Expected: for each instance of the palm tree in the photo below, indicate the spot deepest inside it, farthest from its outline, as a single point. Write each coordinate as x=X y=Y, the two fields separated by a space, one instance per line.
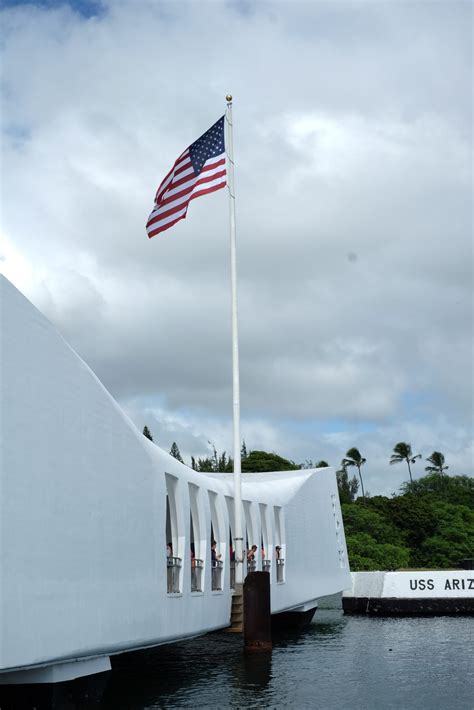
x=403 y=452
x=354 y=458
x=437 y=461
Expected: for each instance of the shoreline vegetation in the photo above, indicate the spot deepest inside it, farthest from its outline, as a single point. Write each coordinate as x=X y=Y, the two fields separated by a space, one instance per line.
x=429 y=524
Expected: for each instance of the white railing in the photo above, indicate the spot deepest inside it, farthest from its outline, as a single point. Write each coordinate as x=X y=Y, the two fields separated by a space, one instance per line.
x=266 y=566
x=196 y=575
x=280 y=570
x=216 y=575
x=251 y=565
x=173 y=565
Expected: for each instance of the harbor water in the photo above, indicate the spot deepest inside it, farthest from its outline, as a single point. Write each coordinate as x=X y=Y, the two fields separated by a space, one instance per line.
x=339 y=661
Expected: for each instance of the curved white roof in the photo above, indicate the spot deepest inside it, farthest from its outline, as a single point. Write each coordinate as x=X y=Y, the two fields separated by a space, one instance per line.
x=83 y=505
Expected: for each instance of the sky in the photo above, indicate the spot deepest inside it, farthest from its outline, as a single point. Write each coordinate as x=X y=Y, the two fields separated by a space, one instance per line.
x=353 y=170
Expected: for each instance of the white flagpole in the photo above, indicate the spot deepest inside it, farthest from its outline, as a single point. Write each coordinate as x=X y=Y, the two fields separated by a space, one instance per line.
x=238 y=534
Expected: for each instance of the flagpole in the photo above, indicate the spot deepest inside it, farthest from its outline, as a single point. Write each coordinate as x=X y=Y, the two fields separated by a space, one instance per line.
x=238 y=533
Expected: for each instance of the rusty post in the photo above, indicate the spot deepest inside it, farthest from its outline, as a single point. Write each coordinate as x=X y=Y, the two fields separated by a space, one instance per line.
x=257 y=615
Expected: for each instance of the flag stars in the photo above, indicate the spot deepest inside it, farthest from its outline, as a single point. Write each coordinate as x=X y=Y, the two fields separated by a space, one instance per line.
x=209 y=145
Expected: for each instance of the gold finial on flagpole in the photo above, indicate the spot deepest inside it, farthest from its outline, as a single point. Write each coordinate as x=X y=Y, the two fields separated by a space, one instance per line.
x=228 y=98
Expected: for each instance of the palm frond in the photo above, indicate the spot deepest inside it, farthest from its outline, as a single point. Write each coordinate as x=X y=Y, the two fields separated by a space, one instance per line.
x=356 y=456
x=403 y=449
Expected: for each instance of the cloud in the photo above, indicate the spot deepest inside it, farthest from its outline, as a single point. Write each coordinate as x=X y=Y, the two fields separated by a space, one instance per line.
x=354 y=214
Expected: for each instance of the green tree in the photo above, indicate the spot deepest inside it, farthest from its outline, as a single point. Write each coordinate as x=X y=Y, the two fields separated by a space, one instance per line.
x=243 y=451
x=402 y=452
x=309 y=464
x=360 y=518
x=373 y=541
x=215 y=463
x=147 y=433
x=346 y=487
x=225 y=464
x=354 y=458
x=458 y=490
x=433 y=519
x=259 y=461
x=174 y=451
x=411 y=515
x=453 y=539
x=437 y=463
x=365 y=554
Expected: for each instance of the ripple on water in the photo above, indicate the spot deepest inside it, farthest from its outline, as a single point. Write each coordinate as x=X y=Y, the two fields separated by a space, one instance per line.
x=338 y=662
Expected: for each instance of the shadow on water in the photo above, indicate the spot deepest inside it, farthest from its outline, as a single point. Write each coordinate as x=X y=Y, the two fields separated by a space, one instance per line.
x=80 y=694
x=189 y=669
x=153 y=678
x=186 y=674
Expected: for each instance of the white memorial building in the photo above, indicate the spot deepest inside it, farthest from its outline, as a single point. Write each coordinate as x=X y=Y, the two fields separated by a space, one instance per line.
x=88 y=506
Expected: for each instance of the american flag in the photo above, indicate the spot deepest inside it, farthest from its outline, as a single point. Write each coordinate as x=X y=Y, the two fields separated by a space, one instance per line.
x=197 y=171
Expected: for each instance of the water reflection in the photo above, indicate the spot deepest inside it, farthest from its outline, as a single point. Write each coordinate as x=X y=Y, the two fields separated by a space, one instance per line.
x=200 y=667
x=319 y=630
x=153 y=678
x=422 y=663
x=251 y=672
x=214 y=665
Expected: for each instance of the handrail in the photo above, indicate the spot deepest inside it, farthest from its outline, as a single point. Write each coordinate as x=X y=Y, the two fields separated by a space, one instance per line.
x=196 y=568
x=173 y=565
x=280 y=569
x=216 y=575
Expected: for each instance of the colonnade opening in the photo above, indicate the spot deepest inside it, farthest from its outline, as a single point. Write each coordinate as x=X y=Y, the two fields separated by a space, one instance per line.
x=217 y=563
x=232 y=560
x=173 y=538
x=196 y=562
x=197 y=542
x=279 y=544
x=252 y=552
x=267 y=547
x=230 y=512
x=217 y=544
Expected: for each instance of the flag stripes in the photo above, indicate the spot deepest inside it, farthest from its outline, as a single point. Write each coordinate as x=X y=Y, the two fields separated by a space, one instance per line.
x=199 y=170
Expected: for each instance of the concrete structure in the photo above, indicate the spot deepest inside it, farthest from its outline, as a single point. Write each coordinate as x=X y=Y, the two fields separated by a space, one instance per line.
x=410 y=592
x=88 y=505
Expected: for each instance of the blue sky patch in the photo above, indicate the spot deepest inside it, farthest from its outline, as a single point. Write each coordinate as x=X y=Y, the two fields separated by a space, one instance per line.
x=86 y=8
